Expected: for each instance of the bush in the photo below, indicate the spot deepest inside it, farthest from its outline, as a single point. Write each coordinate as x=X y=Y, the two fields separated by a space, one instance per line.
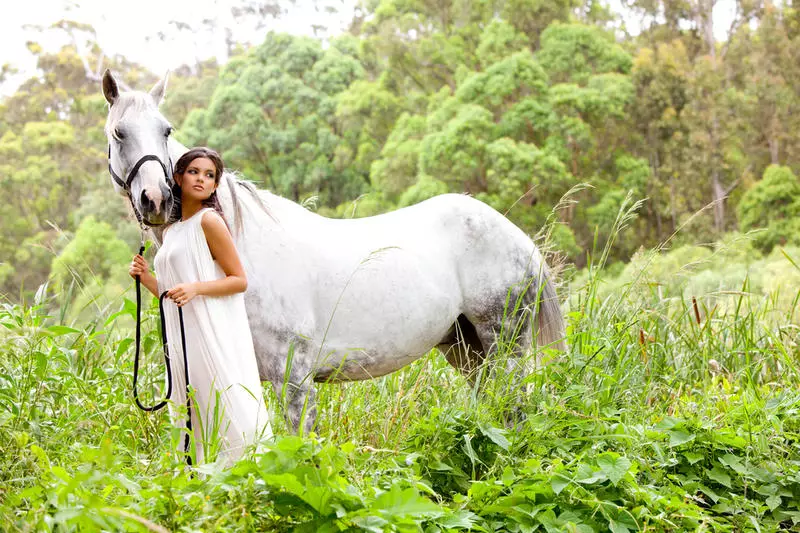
x=773 y=205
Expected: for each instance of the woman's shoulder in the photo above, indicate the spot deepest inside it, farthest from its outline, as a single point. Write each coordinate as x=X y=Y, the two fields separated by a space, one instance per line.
x=210 y=218
x=213 y=225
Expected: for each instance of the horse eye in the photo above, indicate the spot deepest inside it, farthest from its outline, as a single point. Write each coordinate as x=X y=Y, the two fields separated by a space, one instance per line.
x=168 y=132
x=118 y=134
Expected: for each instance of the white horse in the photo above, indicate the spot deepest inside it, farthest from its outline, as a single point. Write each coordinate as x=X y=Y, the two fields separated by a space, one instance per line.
x=350 y=299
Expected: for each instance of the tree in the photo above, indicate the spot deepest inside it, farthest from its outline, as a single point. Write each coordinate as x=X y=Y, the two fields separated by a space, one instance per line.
x=274 y=116
x=773 y=205
x=52 y=152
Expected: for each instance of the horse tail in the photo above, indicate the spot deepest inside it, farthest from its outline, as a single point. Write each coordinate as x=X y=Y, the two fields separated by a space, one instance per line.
x=550 y=330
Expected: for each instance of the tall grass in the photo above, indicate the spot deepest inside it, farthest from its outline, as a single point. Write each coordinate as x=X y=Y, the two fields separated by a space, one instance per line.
x=669 y=412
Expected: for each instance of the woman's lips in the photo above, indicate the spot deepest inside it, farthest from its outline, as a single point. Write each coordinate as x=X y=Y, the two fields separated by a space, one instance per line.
x=197 y=188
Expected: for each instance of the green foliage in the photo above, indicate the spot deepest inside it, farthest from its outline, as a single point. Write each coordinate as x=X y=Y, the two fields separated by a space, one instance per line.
x=498 y=40
x=422 y=190
x=274 y=116
x=774 y=205
x=94 y=252
x=576 y=52
x=397 y=167
x=52 y=151
x=662 y=416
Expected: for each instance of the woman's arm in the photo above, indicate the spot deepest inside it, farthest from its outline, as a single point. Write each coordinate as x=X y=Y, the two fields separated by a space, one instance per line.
x=140 y=268
x=224 y=251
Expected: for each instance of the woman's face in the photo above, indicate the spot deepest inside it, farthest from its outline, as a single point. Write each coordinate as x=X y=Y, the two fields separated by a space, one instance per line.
x=198 y=181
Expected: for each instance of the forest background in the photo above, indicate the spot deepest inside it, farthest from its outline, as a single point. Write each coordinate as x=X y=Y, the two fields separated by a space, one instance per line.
x=550 y=111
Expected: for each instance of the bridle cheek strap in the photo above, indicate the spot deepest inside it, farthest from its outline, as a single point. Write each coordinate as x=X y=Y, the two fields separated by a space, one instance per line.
x=126 y=184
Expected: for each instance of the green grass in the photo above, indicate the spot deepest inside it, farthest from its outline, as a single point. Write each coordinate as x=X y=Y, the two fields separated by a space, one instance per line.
x=668 y=413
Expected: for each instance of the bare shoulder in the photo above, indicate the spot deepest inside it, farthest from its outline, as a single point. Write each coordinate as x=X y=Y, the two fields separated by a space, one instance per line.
x=211 y=220
x=213 y=223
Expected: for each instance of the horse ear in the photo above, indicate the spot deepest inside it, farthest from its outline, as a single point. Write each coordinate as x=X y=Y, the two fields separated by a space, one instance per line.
x=159 y=89
x=110 y=89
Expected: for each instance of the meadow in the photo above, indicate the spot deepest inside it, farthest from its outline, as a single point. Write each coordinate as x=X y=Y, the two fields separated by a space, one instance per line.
x=675 y=409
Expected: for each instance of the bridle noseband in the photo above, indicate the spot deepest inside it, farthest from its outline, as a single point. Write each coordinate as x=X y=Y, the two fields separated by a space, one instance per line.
x=126 y=184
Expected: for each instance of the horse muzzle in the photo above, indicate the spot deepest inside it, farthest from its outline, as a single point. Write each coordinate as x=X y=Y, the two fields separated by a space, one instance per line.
x=155 y=205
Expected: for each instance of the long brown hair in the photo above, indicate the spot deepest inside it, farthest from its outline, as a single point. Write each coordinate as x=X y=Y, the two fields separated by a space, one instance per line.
x=180 y=167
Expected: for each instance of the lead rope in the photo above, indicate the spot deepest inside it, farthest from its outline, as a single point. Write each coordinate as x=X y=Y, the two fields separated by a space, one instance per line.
x=165 y=345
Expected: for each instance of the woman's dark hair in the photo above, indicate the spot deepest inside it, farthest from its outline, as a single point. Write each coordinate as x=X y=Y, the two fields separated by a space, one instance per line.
x=180 y=167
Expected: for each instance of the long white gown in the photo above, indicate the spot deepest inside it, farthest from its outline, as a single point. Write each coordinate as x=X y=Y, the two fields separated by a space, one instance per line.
x=228 y=410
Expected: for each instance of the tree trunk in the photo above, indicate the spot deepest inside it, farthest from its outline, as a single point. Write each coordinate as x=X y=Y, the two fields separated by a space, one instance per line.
x=704 y=17
x=718 y=192
x=774 y=143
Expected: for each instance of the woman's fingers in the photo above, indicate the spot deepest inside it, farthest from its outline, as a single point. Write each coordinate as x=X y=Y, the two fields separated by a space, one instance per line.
x=138 y=266
x=178 y=295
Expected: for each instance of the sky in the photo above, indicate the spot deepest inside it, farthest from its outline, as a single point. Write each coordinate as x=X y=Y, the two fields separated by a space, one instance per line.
x=126 y=31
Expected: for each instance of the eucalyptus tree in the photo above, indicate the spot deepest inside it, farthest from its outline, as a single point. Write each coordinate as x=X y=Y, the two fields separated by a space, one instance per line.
x=274 y=116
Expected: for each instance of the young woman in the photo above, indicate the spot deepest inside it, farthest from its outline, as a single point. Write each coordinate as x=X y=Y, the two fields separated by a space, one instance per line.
x=200 y=268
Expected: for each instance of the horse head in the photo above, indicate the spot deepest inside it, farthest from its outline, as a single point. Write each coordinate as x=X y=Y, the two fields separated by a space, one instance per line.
x=139 y=149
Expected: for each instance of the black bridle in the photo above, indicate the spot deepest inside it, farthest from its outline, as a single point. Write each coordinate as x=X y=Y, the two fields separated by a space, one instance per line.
x=126 y=183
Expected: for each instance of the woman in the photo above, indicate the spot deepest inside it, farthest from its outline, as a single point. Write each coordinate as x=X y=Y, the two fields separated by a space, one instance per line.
x=200 y=268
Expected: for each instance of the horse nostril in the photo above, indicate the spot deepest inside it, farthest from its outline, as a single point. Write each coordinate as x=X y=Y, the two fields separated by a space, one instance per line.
x=146 y=203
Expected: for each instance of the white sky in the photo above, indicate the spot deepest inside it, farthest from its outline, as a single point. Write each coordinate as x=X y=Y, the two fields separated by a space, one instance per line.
x=125 y=31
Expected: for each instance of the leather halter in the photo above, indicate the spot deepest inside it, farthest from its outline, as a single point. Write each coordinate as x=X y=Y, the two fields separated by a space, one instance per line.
x=126 y=184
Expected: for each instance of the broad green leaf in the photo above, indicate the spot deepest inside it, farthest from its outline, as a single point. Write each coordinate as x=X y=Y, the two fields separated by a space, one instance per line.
x=405 y=502
x=733 y=462
x=693 y=457
x=371 y=523
x=678 y=437
x=728 y=438
x=720 y=476
x=497 y=436
x=558 y=482
x=123 y=345
x=708 y=492
x=459 y=519
x=613 y=466
x=773 y=502
x=617 y=527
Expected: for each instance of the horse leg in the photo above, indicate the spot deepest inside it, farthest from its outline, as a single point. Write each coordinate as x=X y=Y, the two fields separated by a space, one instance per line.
x=505 y=330
x=463 y=349
x=514 y=337
x=301 y=402
x=296 y=389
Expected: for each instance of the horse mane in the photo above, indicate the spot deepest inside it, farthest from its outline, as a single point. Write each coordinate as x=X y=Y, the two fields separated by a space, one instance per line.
x=234 y=178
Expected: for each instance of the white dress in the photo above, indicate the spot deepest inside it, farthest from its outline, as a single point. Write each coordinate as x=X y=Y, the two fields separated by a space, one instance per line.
x=228 y=410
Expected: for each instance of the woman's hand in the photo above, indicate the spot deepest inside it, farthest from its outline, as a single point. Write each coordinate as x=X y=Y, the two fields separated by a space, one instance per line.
x=139 y=267
x=183 y=293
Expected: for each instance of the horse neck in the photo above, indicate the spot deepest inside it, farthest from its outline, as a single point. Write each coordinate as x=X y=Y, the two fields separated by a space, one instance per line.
x=176 y=150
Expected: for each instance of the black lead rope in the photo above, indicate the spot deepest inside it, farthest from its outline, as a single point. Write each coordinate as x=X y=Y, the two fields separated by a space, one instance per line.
x=165 y=345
